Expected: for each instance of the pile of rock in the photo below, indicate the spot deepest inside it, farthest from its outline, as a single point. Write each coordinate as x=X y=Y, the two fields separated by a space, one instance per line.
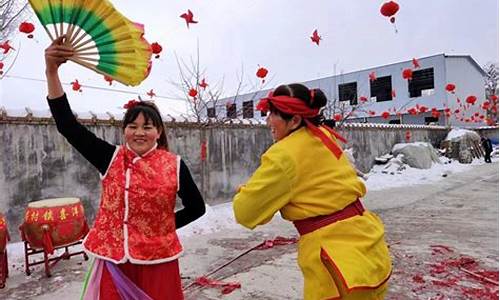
x=462 y=145
x=416 y=155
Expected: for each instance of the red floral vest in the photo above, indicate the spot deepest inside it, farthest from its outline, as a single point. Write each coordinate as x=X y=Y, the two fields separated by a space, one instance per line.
x=136 y=219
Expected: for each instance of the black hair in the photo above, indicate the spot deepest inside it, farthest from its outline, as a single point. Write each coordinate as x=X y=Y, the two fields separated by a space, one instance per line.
x=303 y=93
x=151 y=114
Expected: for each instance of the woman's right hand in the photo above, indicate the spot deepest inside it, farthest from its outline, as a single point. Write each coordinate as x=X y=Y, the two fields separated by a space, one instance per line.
x=56 y=54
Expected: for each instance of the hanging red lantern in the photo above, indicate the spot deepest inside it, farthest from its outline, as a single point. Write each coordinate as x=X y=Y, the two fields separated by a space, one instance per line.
x=385 y=115
x=337 y=117
x=156 y=48
x=407 y=74
x=363 y=99
x=471 y=100
x=192 y=93
x=389 y=9
x=76 y=86
x=262 y=73
x=203 y=151
x=28 y=28
x=436 y=114
x=408 y=135
x=450 y=87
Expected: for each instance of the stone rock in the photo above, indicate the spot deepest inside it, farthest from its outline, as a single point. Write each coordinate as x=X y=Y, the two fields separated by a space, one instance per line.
x=418 y=155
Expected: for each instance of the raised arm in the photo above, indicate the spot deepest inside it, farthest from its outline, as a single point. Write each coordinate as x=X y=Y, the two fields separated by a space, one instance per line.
x=97 y=151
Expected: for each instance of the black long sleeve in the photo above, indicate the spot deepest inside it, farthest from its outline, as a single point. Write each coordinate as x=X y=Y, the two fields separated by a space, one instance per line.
x=100 y=153
x=97 y=151
x=194 y=206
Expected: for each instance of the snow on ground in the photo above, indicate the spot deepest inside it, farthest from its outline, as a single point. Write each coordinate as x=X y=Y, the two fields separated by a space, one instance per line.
x=220 y=217
x=379 y=181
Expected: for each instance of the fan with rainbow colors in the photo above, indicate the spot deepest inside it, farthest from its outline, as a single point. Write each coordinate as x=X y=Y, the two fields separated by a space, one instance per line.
x=103 y=39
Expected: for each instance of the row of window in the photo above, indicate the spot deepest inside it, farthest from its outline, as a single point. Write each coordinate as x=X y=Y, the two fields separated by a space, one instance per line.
x=380 y=90
x=231 y=113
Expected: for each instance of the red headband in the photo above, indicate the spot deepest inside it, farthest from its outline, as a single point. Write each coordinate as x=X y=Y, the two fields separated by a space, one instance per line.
x=294 y=106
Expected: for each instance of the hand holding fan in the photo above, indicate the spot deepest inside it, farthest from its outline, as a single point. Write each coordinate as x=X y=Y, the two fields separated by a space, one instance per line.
x=102 y=38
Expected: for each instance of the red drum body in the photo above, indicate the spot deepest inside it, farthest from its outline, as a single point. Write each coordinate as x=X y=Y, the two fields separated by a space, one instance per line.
x=4 y=234
x=53 y=223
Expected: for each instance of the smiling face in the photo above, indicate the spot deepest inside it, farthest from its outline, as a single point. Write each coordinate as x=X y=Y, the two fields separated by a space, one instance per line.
x=280 y=127
x=141 y=135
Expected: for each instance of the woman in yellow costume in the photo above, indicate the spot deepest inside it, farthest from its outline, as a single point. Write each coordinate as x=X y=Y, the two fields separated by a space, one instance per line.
x=305 y=176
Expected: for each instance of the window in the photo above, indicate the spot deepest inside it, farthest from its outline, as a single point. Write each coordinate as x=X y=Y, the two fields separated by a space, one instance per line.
x=431 y=120
x=422 y=83
x=263 y=114
x=211 y=112
x=349 y=92
x=381 y=89
x=231 y=110
x=394 y=122
x=248 y=109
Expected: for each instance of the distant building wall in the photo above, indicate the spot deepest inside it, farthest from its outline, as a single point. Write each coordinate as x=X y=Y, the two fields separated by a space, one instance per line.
x=37 y=163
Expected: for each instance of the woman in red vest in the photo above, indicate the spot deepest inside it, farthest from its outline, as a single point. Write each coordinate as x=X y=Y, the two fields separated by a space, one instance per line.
x=134 y=238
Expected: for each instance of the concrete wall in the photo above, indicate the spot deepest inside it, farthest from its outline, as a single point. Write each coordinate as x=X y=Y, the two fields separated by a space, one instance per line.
x=37 y=163
x=469 y=82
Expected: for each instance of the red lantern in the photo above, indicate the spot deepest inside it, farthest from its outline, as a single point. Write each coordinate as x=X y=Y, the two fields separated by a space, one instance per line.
x=450 y=87
x=337 y=117
x=108 y=79
x=363 y=99
x=436 y=114
x=385 y=115
x=76 y=86
x=1 y=67
x=407 y=74
x=408 y=135
x=193 y=93
x=156 y=48
x=389 y=9
x=471 y=100
x=203 y=153
x=423 y=109
x=28 y=28
x=262 y=73
x=493 y=97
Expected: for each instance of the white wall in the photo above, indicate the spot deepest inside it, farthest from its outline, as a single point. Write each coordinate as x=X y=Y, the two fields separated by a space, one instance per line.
x=469 y=81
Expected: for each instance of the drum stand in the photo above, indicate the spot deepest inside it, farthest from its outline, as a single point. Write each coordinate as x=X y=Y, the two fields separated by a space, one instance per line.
x=49 y=262
x=4 y=268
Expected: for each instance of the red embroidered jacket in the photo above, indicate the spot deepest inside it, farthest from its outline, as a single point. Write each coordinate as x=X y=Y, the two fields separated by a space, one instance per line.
x=136 y=220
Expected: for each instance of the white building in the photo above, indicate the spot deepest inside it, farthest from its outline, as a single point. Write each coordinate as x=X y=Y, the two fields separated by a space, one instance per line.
x=391 y=93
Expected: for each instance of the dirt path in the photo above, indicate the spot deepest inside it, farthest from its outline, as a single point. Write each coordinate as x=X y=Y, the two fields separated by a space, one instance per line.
x=439 y=234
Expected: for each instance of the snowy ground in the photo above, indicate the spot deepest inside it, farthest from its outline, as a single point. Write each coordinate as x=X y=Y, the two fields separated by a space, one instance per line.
x=220 y=217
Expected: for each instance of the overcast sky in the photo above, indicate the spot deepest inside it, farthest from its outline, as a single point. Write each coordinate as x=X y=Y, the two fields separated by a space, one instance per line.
x=235 y=36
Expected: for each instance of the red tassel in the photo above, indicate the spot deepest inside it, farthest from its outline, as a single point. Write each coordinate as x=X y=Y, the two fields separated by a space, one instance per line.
x=48 y=247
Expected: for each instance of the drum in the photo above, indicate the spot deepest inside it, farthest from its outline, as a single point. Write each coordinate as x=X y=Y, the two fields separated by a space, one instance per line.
x=4 y=234
x=53 y=223
x=4 y=238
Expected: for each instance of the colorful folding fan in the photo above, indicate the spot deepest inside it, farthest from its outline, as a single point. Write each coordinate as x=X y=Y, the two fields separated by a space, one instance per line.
x=103 y=39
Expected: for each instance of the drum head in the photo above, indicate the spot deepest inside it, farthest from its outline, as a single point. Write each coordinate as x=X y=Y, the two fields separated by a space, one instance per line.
x=54 y=202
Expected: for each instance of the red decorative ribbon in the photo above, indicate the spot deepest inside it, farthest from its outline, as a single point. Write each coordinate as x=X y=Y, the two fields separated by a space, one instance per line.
x=294 y=106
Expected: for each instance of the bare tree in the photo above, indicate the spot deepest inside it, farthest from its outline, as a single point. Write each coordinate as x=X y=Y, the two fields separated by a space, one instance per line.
x=201 y=99
x=11 y=13
x=491 y=90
